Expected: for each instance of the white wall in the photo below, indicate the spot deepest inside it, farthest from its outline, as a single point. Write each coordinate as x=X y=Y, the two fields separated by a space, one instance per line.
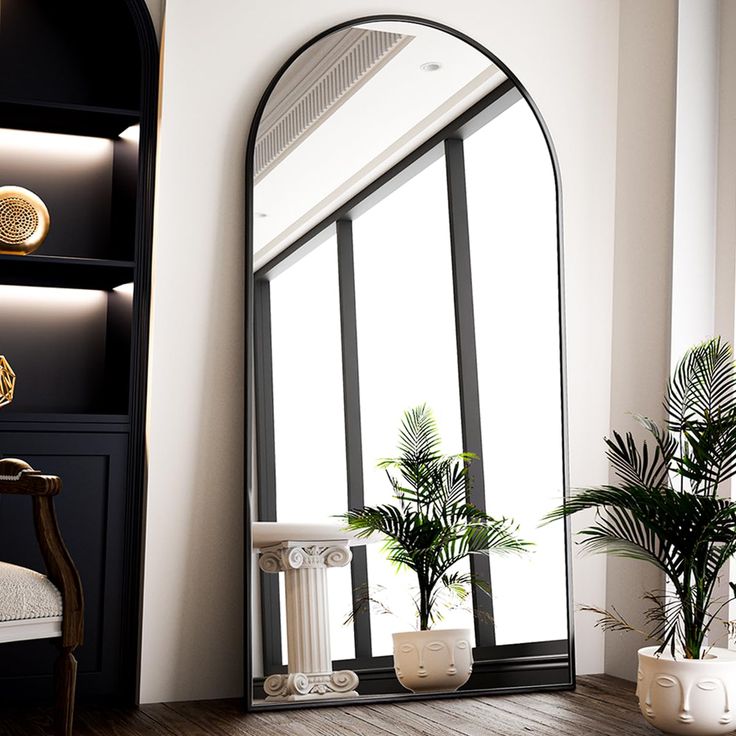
x=218 y=58
x=643 y=265
x=696 y=145
x=725 y=303
x=704 y=246
x=726 y=176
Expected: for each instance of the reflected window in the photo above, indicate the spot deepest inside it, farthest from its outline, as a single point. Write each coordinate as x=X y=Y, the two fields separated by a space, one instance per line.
x=308 y=422
x=512 y=223
x=307 y=387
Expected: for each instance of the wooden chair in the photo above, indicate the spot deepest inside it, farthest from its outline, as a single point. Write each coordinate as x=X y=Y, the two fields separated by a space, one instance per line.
x=34 y=606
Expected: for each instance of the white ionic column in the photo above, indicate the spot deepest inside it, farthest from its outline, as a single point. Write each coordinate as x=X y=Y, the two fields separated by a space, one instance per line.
x=310 y=673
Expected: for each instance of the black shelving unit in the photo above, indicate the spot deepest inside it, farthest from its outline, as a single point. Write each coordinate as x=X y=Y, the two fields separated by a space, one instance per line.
x=74 y=315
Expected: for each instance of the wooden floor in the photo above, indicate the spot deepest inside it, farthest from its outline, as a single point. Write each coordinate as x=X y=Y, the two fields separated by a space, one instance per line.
x=600 y=706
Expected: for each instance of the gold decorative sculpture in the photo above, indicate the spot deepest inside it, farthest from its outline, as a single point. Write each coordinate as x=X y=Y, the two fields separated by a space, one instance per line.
x=24 y=221
x=7 y=382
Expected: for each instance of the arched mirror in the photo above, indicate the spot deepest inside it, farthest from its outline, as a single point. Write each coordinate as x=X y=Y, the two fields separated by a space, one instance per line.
x=404 y=252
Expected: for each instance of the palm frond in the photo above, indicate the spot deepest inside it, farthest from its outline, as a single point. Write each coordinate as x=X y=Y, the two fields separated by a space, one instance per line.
x=419 y=435
x=639 y=467
x=366 y=599
x=387 y=520
x=610 y=620
x=666 y=527
x=662 y=620
x=710 y=451
x=703 y=384
x=458 y=583
x=663 y=437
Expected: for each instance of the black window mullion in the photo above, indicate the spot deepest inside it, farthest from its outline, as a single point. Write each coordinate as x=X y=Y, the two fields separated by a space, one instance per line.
x=468 y=368
x=266 y=467
x=353 y=436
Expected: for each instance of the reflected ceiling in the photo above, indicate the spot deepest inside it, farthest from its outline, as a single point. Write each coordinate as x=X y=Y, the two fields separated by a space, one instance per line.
x=352 y=105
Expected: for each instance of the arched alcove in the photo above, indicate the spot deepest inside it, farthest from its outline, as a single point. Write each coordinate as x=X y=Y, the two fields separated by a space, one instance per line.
x=78 y=107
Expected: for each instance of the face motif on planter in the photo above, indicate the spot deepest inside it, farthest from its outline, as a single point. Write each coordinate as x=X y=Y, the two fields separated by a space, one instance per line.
x=688 y=696
x=433 y=661
x=403 y=228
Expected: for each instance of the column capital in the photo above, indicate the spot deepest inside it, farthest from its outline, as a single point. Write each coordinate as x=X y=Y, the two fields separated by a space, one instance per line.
x=293 y=555
x=301 y=686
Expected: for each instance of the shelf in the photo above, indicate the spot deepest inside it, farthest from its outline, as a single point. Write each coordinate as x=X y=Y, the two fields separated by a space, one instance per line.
x=8 y=416
x=70 y=273
x=50 y=117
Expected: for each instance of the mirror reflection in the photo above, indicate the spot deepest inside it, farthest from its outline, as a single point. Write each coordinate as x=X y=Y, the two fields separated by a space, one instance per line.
x=405 y=245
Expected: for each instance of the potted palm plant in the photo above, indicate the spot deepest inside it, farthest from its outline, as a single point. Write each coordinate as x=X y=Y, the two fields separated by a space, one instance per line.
x=429 y=529
x=668 y=508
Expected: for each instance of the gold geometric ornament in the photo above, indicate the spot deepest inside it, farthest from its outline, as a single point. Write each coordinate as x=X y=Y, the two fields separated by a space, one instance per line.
x=7 y=382
x=24 y=221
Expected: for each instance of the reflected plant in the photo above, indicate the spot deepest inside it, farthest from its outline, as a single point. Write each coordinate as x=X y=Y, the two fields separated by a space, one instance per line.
x=666 y=508
x=432 y=525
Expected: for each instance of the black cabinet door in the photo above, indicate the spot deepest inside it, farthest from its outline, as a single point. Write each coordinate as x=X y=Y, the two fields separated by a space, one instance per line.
x=91 y=514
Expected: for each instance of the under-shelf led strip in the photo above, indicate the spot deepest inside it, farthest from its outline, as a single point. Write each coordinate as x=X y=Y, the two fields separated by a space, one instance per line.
x=54 y=143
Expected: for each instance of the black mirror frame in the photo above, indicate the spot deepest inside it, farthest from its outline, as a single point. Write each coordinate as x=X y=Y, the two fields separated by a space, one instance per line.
x=249 y=359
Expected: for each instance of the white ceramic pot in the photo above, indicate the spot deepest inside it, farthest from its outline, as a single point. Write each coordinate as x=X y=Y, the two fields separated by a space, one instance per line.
x=437 y=661
x=688 y=696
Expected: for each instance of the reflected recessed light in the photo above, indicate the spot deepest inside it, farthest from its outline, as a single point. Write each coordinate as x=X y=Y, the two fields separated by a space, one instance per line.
x=260 y=215
x=431 y=66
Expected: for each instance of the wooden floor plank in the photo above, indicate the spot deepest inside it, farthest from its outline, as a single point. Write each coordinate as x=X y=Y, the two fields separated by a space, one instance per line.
x=618 y=705
x=16 y=722
x=213 y=719
x=598 y=718
x=397 y=721
x=624 y=700
x=468 y=717
x=600 y=706
x=171 y=721
x=107 y=721
x=347 y=722
x=608 y=686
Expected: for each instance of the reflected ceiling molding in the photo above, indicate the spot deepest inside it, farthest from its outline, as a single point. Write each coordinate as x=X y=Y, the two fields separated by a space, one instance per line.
x=312 y=89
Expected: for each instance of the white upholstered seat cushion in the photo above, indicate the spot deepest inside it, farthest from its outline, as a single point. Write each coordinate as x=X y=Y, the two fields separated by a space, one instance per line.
x=26 y=594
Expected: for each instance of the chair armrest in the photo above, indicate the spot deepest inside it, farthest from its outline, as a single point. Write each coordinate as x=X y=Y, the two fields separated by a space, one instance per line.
x=19 y=478
x=61 y=570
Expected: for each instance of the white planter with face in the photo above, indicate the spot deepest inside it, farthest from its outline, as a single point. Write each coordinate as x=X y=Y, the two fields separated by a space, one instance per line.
x=438 y=661
x=688 y=696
